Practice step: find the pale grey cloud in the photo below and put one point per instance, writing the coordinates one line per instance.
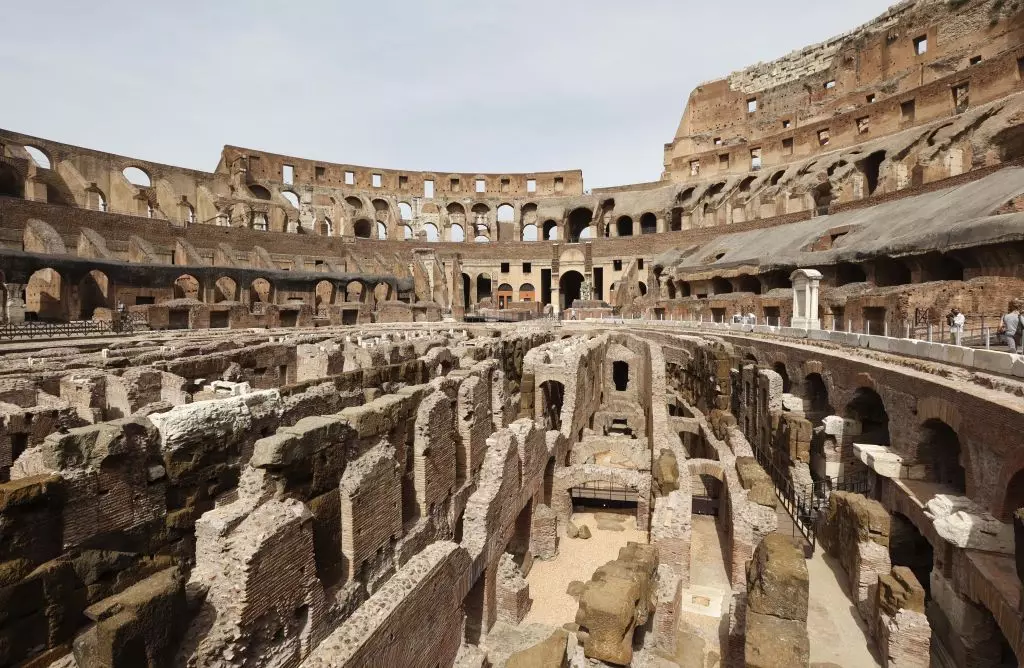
(444, 85)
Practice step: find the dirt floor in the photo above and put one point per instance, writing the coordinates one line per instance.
(577, 559)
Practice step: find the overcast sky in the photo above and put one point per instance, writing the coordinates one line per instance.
(444, 85)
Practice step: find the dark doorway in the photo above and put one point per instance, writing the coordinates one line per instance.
(569, 285)
(620, 374)
(551, 394)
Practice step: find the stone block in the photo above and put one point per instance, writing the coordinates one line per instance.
(756, 481)
(899, 590)
(993, 361)
(547, 654)
(772, 642)
(777, 580)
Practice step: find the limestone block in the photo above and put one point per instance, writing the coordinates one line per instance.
(777, 580)
(994, 361)
(899, 590)
(881, 459)
(544, 533)
(607, 614)
(666, 472)
(792, 403)
(771, 642)
(547, 654)
(756, 481)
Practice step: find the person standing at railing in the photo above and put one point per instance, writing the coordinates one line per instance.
(1011, 326)
(955, 319)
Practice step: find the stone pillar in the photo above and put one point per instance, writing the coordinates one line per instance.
(805, 299)
(513, 592)
(902, 629)
(544, 533)
(777, 600)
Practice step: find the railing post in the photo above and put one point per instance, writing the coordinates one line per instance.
(930, 326)
(988, 335)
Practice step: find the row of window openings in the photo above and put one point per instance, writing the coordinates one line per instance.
(528, 266)
(480, 185)
(961, 101)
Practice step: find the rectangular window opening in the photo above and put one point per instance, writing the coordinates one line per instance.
(319, 172)
(863, 125)
(786, 124)
(755, 159)
(288, 174)
(723, 161)
(350, 178)
(718, 141)
(830, 84)
(640, 263)
(694, 167)
(455, 185)
(506, 185)
(921, 45)
(504, 267)
(481, 186)
(824, 137)
(376, 180)
(527, 267)
(403, 182)
(961, 97)
(787, 146)
(531, 185)
(907, 111)
(428, 189)
(617, 265)
(751, 105)
(871, 98)
(559, 184)
(976, 60)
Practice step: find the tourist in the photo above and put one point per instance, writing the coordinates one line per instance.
(1011, 326)
(955, 319)
(751, 318)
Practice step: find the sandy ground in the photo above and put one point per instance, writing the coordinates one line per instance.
(577, 559)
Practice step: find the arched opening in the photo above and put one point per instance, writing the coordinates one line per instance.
(10, 182)
(259, 221)
(137, 177)
(776, 177)
(404, 211)
(93, 293)
(910, 549)
(551, 395)
(648, 223)
(382, 230)
(458, 233)
(1014, 498)
(506, 214)
(362, 228)
(483, 287)
(225, 290)
(323, 294)
(720, 286)
(816, 396)
(292, 198)
(890, 272)
(579, 221)
(354, 202)
(529, 233)
(381, 210)
(431, 232)
(466, 283)
(624, 226)
(620, 375)
(407, 232)
(481, 239)
(354, 291)
(506, 295)
(940, 267)
(569, 285)
(847, 273)
(746, 183)
(748, 283)
(261, 290)
(869, 167)
(670, 288)
(527, 293)
(550, 230)
(643, 288)
(258, 191)
(780, 369)
(324, 228)
(38, 156)
(938, 449)
(481, 220)
(676, 222)
(867, 407)
(187, 287)
(43, 296)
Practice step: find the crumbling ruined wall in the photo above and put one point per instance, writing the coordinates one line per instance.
(776, 606)
(855, 530)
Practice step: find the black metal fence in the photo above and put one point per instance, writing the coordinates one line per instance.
(57, 330)
(603, 490)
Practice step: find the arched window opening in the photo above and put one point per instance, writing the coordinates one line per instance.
(323, 295)
(529, 233)
(579, 222)
(867, 407)
(483, 287)
(404, 211)
(746, 183)
(620, 375)
(648, 223)
(407, 232)
(354, 292)
(941, 267)
(44, 298)
(94, 292)
(137, 177)
(325, 228)
(225, 290)
(776, 177)
(939, 451)
(870, 167)
(847, 273)
(292, 198)
(481, 239)
(506, 295)
(816, 396)
(748, 283)
(527, 293)
(506, 214)
(431, 231)
(624, 226)
(38, 156)
(382, 230)
(685, 289)
(890, 272)
(362, 228)
(720, 286)
(466, 282)
(260, 290)
(187, 287)
(676, 224)
(259, 192)
(381, 210)
(458, 234)
(550, 230)
(551, 396)
(643, 288)
(259, 221)
(780, 369)
(354, 202)
(569, 285)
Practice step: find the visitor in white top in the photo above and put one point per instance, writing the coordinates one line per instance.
(955, 319)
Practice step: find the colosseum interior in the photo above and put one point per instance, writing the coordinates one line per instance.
(293, 413)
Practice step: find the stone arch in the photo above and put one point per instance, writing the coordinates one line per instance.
(324, 294)
(579, 224)
(362, 228)
(225, 289)
(569, 285)
(867, 408)
(94, 291)
(780, 368)
(648, 223)
(44, 296)
(483, 286)
(624, 226)
(11, 182)
(137, 176)
(261, 290)
(940, 451)
(188, 286)
(550, 230)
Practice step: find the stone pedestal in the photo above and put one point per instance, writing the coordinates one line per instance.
(805, 299)
(14, 309)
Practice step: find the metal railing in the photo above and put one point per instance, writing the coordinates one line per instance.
(603, 490)
(53, 330)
